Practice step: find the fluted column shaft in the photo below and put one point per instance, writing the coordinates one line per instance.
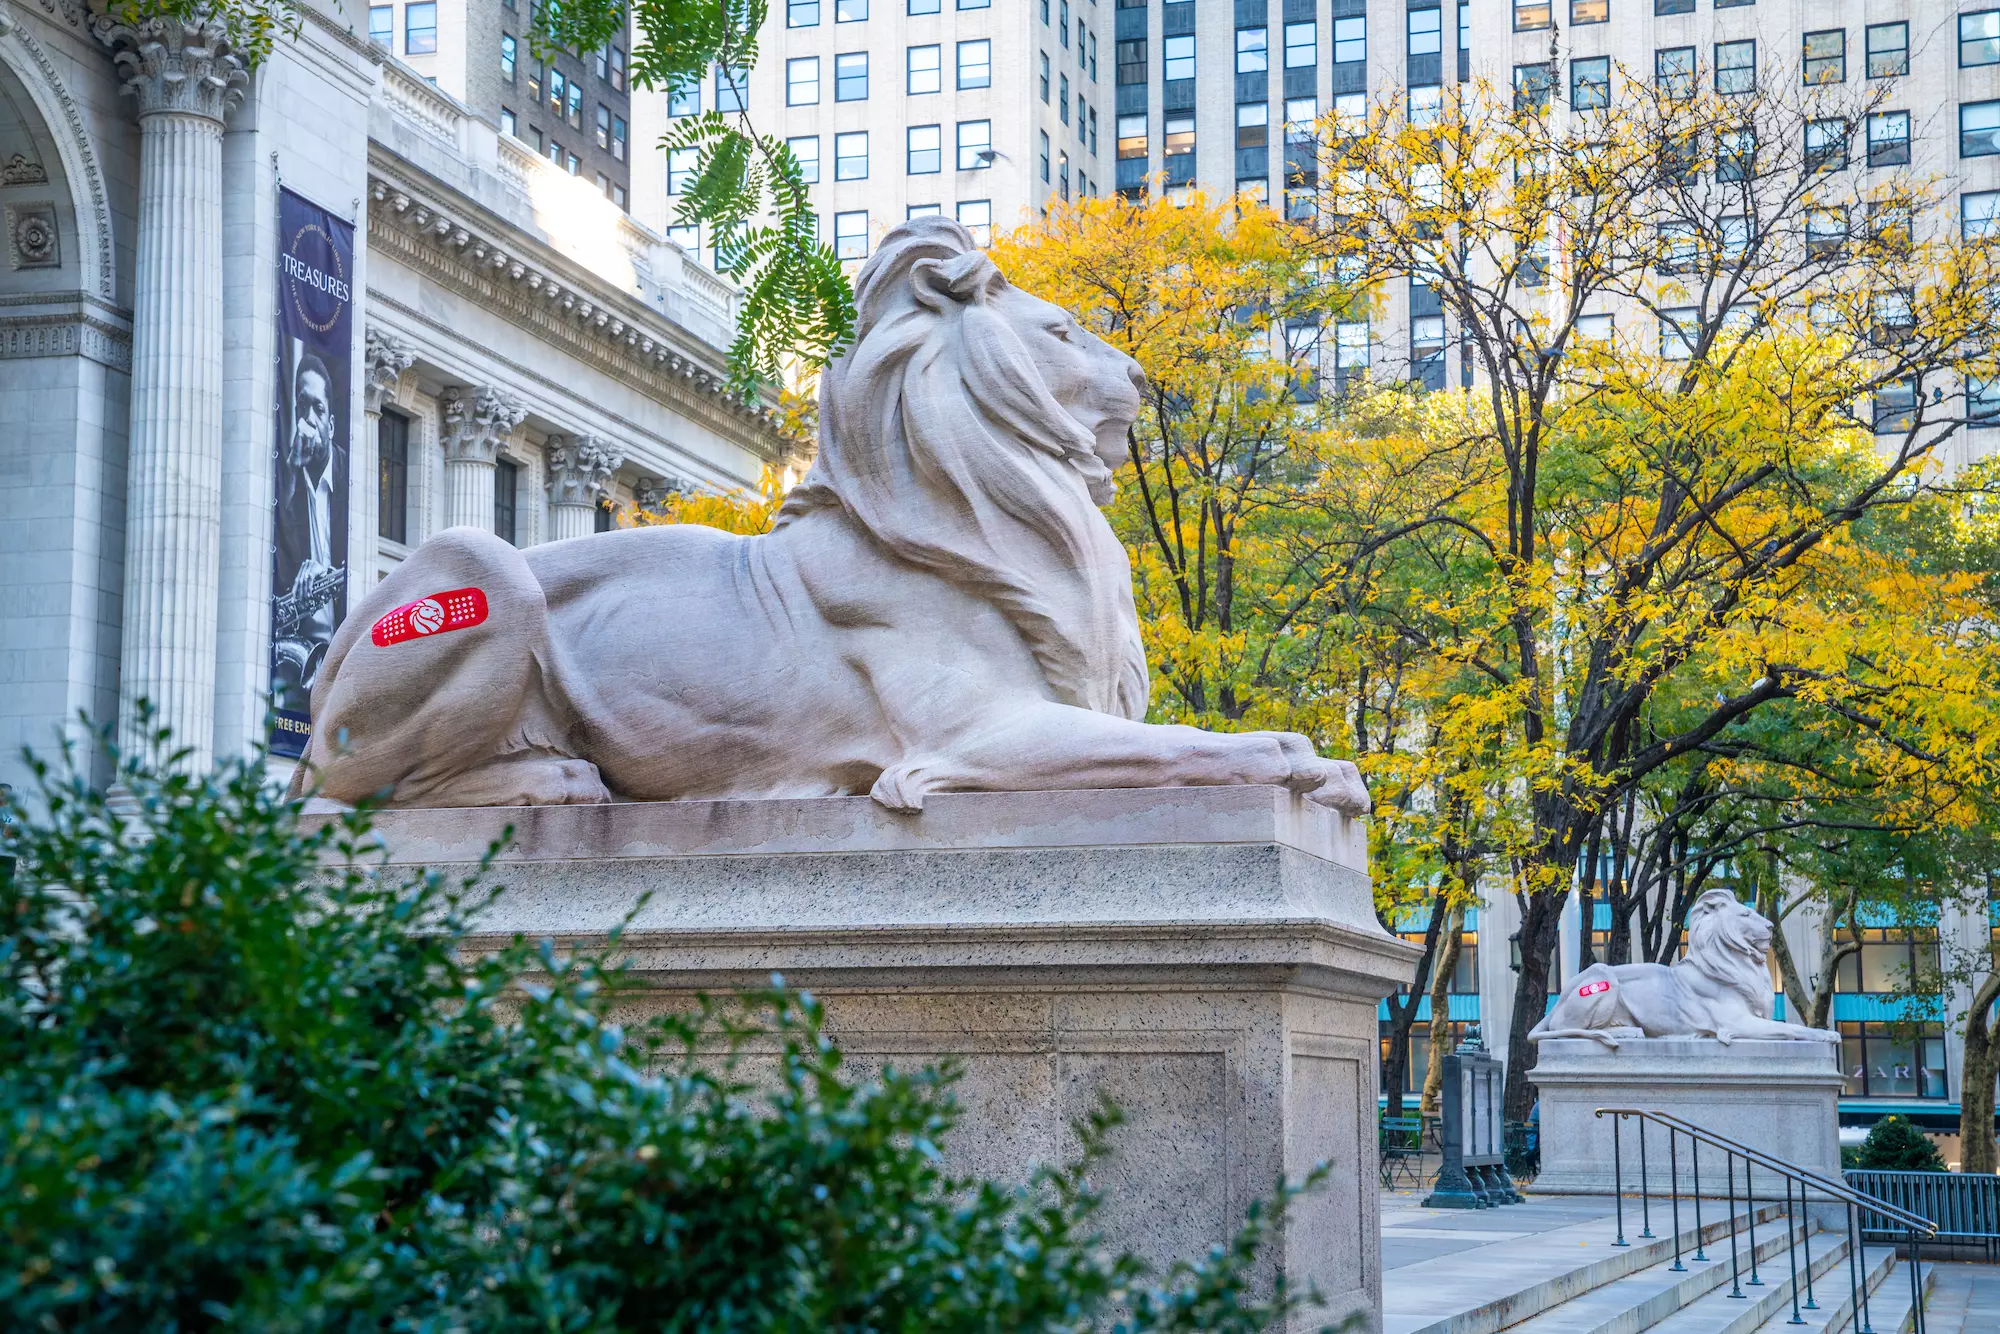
(468, 492)
(185, 78)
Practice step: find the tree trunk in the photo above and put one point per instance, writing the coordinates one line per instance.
(1403, 1015)
(1541, 925)
(1982, 1064)
(1447, 964)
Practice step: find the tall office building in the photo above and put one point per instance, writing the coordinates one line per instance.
(983, 110)
(574, 110)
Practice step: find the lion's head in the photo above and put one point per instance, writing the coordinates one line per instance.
(1727, 940)
(973, 430)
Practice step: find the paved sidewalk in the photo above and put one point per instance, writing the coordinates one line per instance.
(1412, 1233)
(1965, 1299)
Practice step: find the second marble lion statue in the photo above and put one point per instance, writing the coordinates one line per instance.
(1721, 988)
(940, 606)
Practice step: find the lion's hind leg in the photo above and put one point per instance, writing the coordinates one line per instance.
(431, 675)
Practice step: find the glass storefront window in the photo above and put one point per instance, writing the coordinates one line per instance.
(1883, 1060)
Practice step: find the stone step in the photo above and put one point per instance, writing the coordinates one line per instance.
(1716, 1312)
(1496, 1286)
(1889, 1308)
(1639, 1301)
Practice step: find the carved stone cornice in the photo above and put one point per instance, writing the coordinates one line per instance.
(579, 469)
(172, 65)
(477, 421)
(445, 241)
(383, 361)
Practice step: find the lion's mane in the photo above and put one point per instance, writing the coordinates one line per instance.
(938, 435)
(1720, 948)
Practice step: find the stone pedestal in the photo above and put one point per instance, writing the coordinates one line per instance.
(1778, 1097)
(1208, 957)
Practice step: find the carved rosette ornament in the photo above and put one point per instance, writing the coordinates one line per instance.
(383, 362)
(175, 65)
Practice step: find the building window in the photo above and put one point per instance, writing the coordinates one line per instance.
(687, 238)
(382, 24)
(1253, 55)
(850, 11)
(603, 61)
(1132, 61)
(922, 211)
(850, 156)
(975, 4)
(976, 216)
(1673, 6)
(1896, 408)
(576, 103)
(1178, 138)
(1530, 15)
(975, 65)
(850, 77)
(1673, 71)
(1888, 50)
(1426, 103)
(1045, 156)
(1978, 38)
(802, 14)
(1532, 84)
(1062, 23)
(1062, 175)
(1826, 232)
(684, 99)
(920, 7)
(1892, 1060)
(1178, 55)
(508, 50)
(1978, 129)
(732, 90)
(1590, 83)
(508, 123)
(618, 68)
(805, 149)
(1826, 56)
(1426, 31)
(1596, 328)
(555, 151)
(1982, 402)
(1736, 67)
(1062, 102)
(618, 130)
(506, 477)
(1826, 145)
(392, 453)
(975, 145)
(923, 66)
(926, 150)
(603, 126)
(1889, 139)
(1891, 959)
(420, 28)
(850, 235)
(1350, 42)
(1093, 131)
(802, 81)
(1679, 327)
(1132, 144)
(1045, 75)
(1582, 12)
(1979, 215)
(1093, 57)
(1350, 350)
(684, 163)
(1302, 43)
(575, 165)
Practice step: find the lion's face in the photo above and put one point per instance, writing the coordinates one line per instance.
(1095, 382)
(1719, 921)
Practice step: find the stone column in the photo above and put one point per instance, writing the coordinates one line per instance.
(579, 478)
(383, 362)
(477, 421)
(186, 79)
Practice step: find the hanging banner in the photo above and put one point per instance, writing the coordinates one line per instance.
(309, 531)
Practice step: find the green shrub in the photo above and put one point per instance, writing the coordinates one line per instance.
(1894, 1145)
(241, 1091)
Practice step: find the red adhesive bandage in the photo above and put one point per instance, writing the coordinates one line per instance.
(438, 614)
(1592, 988)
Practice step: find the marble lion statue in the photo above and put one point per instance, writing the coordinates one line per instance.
(940, 606)
(1721, 988)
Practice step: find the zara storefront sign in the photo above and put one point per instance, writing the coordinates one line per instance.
(309, 522)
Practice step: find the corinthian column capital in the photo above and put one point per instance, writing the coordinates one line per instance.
(580, 468)
(184, 65)
(477, 421)
(384, 360)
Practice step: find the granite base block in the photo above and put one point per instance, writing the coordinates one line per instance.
(1208, 958)
(1777, 1097)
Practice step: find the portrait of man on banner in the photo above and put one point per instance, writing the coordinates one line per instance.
(309, 557)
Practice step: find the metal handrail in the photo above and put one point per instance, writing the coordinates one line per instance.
(1838, 1190)
(1798, 1223)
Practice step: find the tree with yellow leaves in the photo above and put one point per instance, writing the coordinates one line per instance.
(1709, 366)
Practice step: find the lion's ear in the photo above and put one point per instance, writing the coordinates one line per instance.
(966, 279)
